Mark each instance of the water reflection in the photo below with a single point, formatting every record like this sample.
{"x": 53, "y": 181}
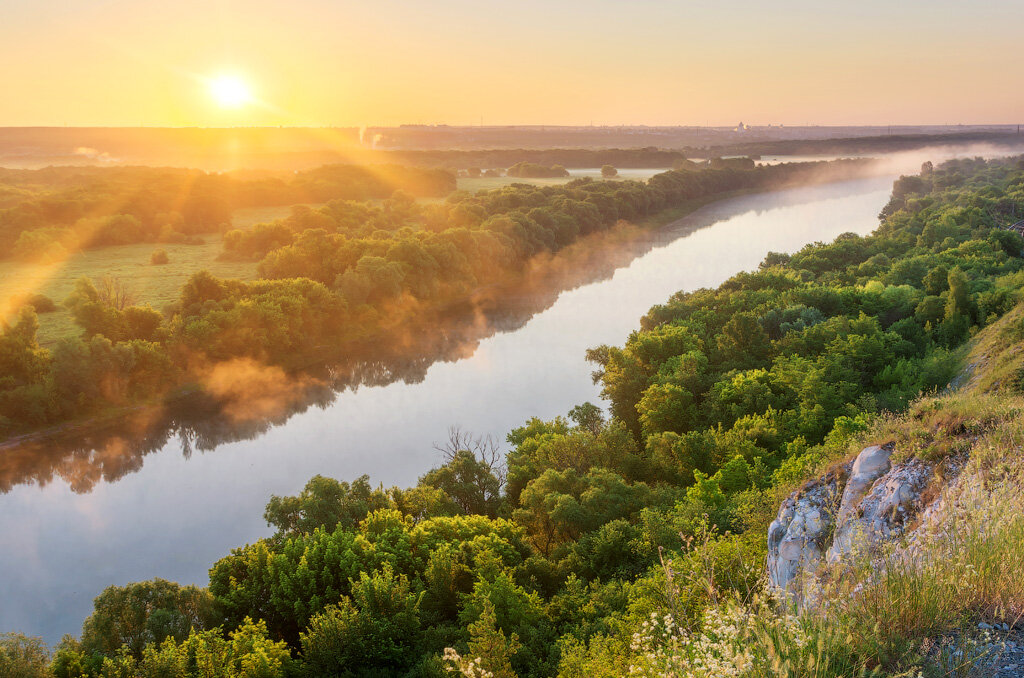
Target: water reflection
{"x": 243, "y": 400}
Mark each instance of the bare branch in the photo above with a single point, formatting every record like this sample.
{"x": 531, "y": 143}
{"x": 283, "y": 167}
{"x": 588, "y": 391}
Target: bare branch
{"x": 115, "y": 293}
{"x": 483, "y": 448}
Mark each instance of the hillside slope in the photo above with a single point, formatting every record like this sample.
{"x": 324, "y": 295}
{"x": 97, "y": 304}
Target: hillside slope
{"x": 919, "y": 536}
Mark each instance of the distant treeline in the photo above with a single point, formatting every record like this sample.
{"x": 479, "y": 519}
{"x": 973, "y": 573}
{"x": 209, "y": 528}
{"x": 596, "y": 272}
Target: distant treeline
{"x": 572, "y": 158}
{"x": 44, "y": 213}
{"x": 332, "y": 275}
{"x": 525, "y": 169}
{"x": 858, "y": 145}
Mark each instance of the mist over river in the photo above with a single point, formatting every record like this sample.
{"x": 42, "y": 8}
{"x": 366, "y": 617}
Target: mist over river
{"x": 171, "y": 515}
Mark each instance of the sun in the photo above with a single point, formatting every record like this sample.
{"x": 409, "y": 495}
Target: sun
{"x": 229, "y": 91}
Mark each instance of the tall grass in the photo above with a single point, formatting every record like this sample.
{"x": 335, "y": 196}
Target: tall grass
{"x": 911, "y": 609}
{"x": 966, "y": 566}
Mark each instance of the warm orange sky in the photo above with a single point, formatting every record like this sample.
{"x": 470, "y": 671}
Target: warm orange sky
{"x": 332, "y": 62}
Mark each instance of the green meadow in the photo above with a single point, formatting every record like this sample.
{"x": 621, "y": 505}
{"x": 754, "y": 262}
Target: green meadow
{"x": 156, "y": 285}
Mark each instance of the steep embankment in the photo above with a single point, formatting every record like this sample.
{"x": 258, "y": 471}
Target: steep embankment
{"x": 921, "y": 530}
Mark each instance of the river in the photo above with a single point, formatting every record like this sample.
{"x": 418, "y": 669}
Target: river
{"x": 114, "y": 510}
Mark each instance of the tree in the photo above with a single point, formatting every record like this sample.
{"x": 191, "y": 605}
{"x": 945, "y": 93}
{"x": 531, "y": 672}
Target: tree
{"x": 515, "y": 613}
{"x": 588, "y": 417}
{"x": 560, "y": 506}
{"x": 108, "y": 310}
{"x": 607, "y": 171}
{"x": 41, "y": 246}
{"x": 145, "y": 612}
{"x": 959, "y": 300}
{"x": 22, "y": 656}
{"x": 378, "y": 628}
{"x": 70, "y": 660}
{"x": 491, "y": 645}
{"x": 743, "y": 342}
{"x": 22, "y": 360}
{"x": 469, "y": 482}
{"x": 115, "y": 293}
{"x": 936, "y": 281}
{"x": 931, "y": 309}
{"x": 666, "y": 407}
{"x": 324, "y": 503}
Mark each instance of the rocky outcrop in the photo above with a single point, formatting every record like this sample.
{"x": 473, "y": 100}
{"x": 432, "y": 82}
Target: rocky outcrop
{"x": 881, "y": 513}
{"x": 844, "y": 517}
{"x": 798, "y": 536}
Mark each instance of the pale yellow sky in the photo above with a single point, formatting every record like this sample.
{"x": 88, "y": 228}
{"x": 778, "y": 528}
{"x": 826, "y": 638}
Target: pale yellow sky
{"x": 330, "y": 62}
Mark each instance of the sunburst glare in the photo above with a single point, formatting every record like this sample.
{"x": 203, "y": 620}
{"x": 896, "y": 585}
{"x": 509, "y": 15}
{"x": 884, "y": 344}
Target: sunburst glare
{"x": 229, "y": 91}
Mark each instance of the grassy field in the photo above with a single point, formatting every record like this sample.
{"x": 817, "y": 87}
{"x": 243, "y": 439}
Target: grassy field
{"x": 249, "y": 216}
{"x": 487, "y": 183}
{"x": 153, "y": 285}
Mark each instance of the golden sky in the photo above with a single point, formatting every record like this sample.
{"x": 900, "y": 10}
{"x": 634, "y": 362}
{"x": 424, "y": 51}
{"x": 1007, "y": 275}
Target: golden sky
{"x": 387, "y": 62}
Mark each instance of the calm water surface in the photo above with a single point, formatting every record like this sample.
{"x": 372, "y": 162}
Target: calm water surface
{"x": 171, "y": 515}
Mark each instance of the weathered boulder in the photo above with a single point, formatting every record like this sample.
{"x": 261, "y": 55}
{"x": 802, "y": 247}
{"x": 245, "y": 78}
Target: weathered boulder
{"x": 871, "y": 464}
{"x": 843, "y": 516}
{"x": 882, "y": 513}
{"x": 798, "y": 536}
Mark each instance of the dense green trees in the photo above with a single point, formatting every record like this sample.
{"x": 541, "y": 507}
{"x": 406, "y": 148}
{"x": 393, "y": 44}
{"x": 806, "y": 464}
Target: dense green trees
{"x": 23, "y": 657}
{"x": 145, "y": 613}
{"x": 325, "y": 503}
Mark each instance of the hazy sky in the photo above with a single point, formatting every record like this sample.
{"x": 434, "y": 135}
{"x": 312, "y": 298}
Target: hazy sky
{"x": 333, "y": 62}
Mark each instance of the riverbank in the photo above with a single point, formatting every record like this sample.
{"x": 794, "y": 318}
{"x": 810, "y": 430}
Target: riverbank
{"x": 544, "y": 272}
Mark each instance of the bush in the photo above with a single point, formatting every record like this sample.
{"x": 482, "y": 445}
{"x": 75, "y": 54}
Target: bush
{"x": 41, "y": 246}
{"x": 246, "y": 652}
{"x": 159, "y": 258}
{"x": 608, "y": 172}
{"x": 379, "y": 627}
{"x": 40, "y": 303}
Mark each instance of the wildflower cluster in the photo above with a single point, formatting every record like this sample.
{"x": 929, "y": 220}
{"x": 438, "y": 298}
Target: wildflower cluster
{"x": 661, "y": 648}
{"x": 469, "y": 668}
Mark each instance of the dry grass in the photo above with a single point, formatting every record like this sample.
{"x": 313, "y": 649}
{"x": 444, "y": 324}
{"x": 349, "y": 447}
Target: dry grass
{"x": 962, "y": 568}
{"x": 995, "y": 362}
{"x": 935, "y": 428}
